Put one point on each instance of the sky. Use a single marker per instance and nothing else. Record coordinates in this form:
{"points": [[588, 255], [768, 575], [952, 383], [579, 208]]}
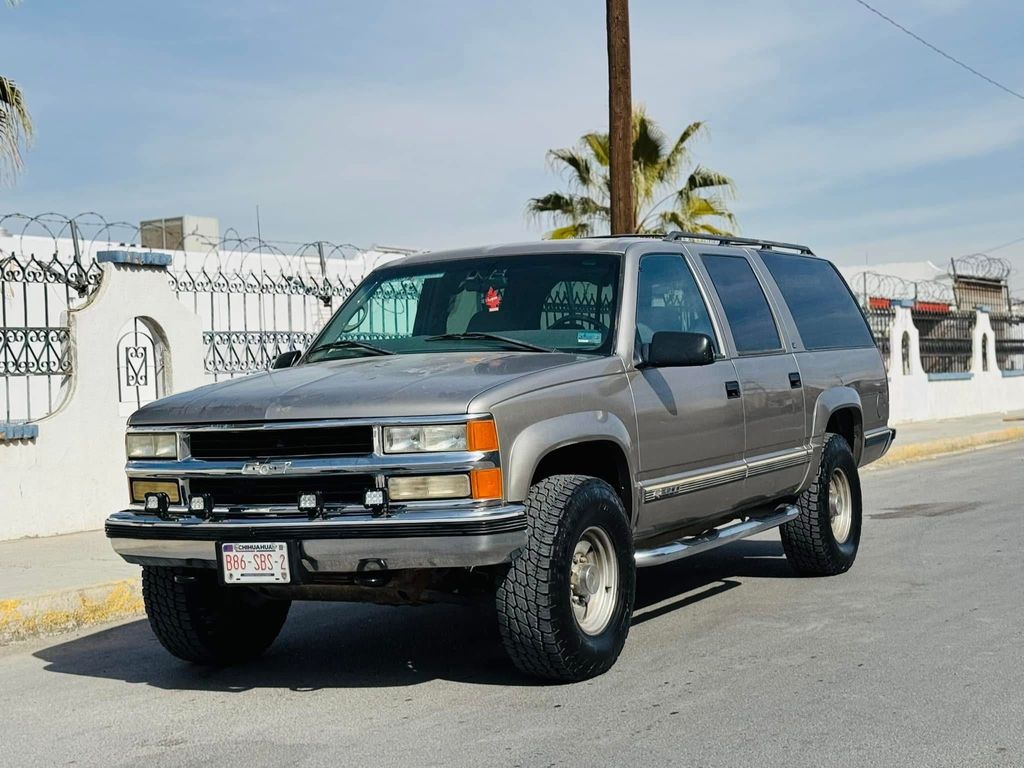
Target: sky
{"points": [[425, 125]]}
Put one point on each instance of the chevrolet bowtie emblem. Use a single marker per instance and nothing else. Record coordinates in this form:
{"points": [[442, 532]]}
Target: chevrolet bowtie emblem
{"points": [[266, 467]]}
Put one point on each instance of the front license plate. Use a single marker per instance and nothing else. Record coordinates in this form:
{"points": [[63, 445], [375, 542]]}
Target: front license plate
{"points": [[255, 563]]}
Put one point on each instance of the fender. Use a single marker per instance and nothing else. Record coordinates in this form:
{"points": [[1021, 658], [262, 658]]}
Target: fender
{"points": [[534, 442], [828, 402]]}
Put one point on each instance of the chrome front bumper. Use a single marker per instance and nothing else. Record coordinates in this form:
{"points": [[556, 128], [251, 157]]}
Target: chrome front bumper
{"points": [[342, 544]]}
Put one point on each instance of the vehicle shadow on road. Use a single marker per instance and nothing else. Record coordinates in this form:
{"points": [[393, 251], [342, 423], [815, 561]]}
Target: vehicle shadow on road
{"points": [[341, 645]]}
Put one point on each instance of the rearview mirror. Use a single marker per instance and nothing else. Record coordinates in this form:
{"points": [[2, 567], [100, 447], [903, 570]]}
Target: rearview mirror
{"points": [[676, 349], [286, 359]]}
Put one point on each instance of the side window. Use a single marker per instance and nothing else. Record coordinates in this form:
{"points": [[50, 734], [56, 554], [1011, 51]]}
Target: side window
{"points": [[823, 309], [668, 299], [746, 308]]}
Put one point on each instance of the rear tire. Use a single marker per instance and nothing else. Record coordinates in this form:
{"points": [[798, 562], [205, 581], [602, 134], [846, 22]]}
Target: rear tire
{"points": [[199, 620], [565, 604], [824, 539]]}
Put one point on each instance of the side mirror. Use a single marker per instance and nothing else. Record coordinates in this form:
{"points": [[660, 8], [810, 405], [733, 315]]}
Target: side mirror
{"points": [[670, 349], [286, 359]]}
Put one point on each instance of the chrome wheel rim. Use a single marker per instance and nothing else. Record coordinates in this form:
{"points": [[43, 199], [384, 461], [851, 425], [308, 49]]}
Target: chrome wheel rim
{"points": [[840, 505], [594, 580]]}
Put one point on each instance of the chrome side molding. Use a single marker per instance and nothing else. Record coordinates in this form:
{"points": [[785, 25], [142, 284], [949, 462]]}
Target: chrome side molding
{"points": [[676, 550]]}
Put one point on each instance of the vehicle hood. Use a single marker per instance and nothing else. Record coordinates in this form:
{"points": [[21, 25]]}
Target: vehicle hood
{"points": [[365, 387]]}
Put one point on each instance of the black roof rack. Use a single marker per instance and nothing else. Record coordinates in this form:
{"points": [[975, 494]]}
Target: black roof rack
{"points": [[730, 240], [624, 234]]}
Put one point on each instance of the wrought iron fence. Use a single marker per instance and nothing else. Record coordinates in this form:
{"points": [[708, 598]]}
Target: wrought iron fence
{"points": [[880, 316], [1009, 333], [46, 268], [234, 352], [256, 301], [945, 340]]}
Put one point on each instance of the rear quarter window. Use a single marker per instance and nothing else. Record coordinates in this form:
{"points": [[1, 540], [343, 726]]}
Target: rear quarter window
{"points": [[823, 309]]}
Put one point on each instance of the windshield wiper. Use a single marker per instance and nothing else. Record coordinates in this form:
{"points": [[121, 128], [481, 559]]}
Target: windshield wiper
{"points": [[350, 344], [481, 336]]}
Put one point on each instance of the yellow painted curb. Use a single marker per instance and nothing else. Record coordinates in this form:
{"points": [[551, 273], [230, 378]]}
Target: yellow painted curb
{"points": [[902, 454], [57, 612]]}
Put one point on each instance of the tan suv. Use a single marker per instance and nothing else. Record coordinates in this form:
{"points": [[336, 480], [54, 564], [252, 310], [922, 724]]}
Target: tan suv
{"points": [[526, 423]]}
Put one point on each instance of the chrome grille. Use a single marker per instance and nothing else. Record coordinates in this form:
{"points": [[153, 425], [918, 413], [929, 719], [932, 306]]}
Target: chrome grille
{"points": [[227, 445]]}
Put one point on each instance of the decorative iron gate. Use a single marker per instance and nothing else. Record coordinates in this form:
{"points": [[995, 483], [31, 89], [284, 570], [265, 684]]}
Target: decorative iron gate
{"points": [[46, 268], [1009, 333], [141, 357], [945, 339]]}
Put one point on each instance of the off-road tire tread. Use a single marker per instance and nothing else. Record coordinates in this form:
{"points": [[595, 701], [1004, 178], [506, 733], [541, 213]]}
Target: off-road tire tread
{"points": [[807, 540], [536, 642], [185, 616]]}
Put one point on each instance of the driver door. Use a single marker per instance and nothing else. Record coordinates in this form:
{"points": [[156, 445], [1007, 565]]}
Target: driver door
{"points": [[690, 425]]}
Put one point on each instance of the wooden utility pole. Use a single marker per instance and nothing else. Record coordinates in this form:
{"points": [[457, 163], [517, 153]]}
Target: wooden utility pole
{"points": [[620, 118]]}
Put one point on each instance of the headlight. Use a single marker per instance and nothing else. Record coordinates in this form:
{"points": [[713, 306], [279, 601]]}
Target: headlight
{"points": [[157, 445], [479, 435], [449, 437]]}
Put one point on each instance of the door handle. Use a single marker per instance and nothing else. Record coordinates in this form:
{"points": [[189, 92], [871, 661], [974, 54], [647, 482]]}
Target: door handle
{"points": [[732, 389], [794, 381]]}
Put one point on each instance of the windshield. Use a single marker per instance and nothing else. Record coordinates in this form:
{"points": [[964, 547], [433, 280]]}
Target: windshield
{"points": [[537, 303]]}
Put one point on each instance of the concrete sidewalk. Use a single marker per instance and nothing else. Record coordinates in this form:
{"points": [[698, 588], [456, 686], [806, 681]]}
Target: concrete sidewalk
{"points": [[60, 583], [926, 439]]}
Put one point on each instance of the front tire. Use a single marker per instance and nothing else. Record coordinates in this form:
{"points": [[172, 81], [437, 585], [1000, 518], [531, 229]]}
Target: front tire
{"points": [[824, 539], [565, 604], [199, 620]]}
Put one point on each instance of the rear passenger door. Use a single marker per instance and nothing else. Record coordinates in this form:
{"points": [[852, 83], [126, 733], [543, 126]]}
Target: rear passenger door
{"points": [[770, 384]]}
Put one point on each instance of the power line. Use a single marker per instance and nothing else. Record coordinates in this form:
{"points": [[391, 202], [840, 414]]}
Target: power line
{"points": [[939, 51], [996, 247]]}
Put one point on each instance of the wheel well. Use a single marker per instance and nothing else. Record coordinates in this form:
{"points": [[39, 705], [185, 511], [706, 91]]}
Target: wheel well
{"points": [[597, 458], [848, 423]]}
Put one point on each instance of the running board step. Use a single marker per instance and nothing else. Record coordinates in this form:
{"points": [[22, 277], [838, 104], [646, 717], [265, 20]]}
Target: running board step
{"points": [[676, 550]]}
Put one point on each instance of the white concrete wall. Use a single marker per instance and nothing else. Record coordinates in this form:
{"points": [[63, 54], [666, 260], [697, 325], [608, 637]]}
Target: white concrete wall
{"points": [[72, 476], [916, 397]]}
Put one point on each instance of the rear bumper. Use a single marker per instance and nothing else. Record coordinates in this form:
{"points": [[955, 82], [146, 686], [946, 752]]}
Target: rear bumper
{"points": [[435, 539], [876, 443]]}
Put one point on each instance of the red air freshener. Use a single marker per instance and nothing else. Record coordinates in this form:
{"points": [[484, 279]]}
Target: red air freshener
{"points": [[492, 300]]}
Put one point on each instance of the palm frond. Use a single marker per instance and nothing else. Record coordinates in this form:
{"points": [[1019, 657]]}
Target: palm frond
{"points": [[15, 126], [648, 141], [670, 220], [553, 202], [597, 143], [705, 178], [570, 231], [575, 162], [679, 152]]}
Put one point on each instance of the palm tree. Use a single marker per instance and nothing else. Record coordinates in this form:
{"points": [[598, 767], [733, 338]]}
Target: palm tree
{"points": [[15, 125], [698, 205]]}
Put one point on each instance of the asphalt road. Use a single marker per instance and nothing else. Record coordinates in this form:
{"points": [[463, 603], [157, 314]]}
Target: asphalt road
{"points": [[913, 658]]}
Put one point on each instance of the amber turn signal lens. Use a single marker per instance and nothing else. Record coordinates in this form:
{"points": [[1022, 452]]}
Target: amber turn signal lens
{"points": [[481, 436], [141, 487], [486, 483]]}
